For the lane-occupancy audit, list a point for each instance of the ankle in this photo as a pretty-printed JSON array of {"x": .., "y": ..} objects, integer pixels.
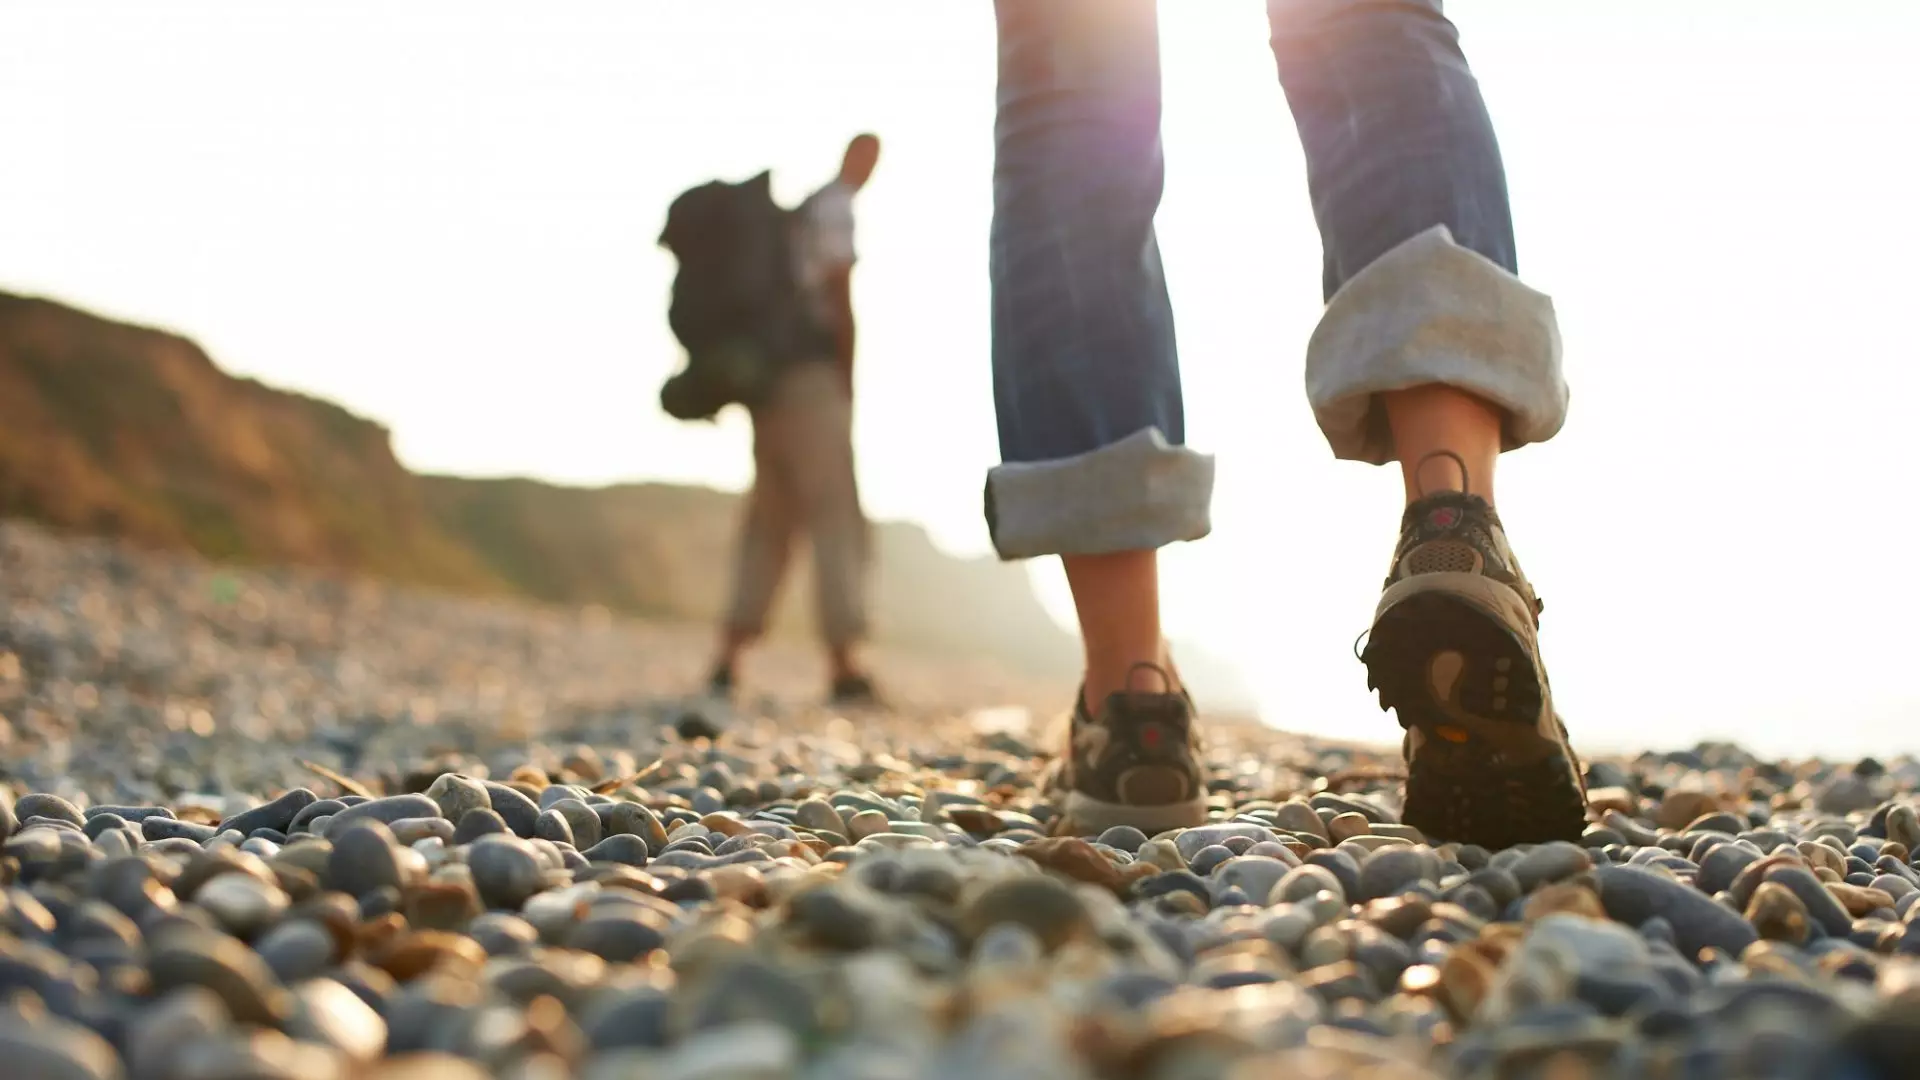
[{"x": 1112, "y": 674}]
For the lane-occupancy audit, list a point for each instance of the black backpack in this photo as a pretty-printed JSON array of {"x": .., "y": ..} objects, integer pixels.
[{"x": 736, "y": 305}]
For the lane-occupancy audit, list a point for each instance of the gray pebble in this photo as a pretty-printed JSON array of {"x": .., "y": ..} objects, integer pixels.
[
  {"x": 624, "y": 848},
  {"x": 313, "y": 811},
  {"x": 363, "y": 858},
  {"x": 185, "y": 956},
  {"x": 619, "y": 936},
  {"x": 581, "y": 820},
  {"x": 384, "y": 810},
  {"x": 1190, "y": 841},
  {"x": 158, "y": 1034},
  {"x": 518, "y": 811},
  {"x": 553, "y": 826},
  {"x": 1632, "y": 895},
  {"x": 820, "y": 814},
  {"x": 506, "y": 870},
  {"x": 1391, "y": 869},
  {"x": 158, "y": 828},
  {"x": 456, "y": 794},
  {"x": 635, "y": 1018},
  {"x": 48, "y": 806},
  {"x": 410, "y": 831},
  {"x": 1721, "y": 865},
  {"x": 296, "y": 949},
  {"x": 635, "y": 820},
  {"x": 502, "y": 934},
  {"x": 277, "y": 815},
  {"x": 1551, "y": 862},
  {"x": 475, "y": 824}
]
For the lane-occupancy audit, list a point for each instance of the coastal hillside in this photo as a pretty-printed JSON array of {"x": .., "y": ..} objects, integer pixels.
[{"x": 135, "y": 433}]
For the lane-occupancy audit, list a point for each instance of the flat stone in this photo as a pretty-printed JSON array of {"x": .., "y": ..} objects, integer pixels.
[
  {"x": 1632, "y": 895},
  {"x": 277, "y": 815},
  {"x": 386, "y": 810}
]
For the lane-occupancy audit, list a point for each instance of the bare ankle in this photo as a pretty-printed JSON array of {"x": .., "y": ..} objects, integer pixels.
[
  {"x": 1117, "y": 598},
  {"x": 1108, "y": 675},
  {"x": 1446, "y": 438}
]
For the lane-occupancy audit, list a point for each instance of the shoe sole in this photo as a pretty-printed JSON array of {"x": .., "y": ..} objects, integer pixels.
[
  {"x": 1084, "y": 815},
  {"x": 1444, "y": 659}
]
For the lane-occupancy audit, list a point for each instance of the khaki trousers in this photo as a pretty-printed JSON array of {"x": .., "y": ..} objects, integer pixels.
[{"x": 804, "y": 483}]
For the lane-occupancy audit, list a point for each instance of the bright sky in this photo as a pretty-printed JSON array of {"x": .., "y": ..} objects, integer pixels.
[{"x": 443, "y": 216}]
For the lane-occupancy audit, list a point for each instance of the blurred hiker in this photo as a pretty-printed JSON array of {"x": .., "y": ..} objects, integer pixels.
[
  {"x": 1431, "y": 354},
  {"x": 763, "y": 304}
]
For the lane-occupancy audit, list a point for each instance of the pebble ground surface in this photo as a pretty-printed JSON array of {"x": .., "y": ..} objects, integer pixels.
[{"x": 263, "y": 824}]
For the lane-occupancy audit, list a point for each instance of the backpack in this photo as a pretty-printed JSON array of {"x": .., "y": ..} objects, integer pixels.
[{"x": 735, "y": 304}]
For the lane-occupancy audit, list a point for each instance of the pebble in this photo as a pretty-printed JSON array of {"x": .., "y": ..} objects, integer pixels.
[
  {"x": 544, "y": 881},
  {"x": 363, "y": 858},
  {"x": 506, "y": 870}
]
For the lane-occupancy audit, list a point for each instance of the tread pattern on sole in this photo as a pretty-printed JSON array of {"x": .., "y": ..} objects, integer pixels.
[{"x": 1500, "y": 782}]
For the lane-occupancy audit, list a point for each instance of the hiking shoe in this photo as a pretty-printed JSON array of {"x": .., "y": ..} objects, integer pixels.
[
  {"x": 1455, "y": 653},
  {"x": 853, "y": 692},
  {"x": 1137, "y": 763}
]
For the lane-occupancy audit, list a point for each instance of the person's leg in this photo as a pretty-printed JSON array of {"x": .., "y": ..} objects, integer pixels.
[
  {"x": 1434, "y": 355},
  {"x": 1087, "y": 383},
  {"x": 765, "y": 544},
  {"x": 827, "y": 495}
]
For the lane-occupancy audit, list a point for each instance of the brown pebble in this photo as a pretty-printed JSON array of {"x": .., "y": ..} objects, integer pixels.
[
  {"x": 1777, "y": 914},
  {"x": 530, "y": 776},
  {"x": 723, "y": 823},
  {"x": 1347, "y": 826},
  {"x": 440, "y": 905},
  {"x": 976, "y": 819},
  {"x": 1822, "y": 857},
  {"x": 374, "y": 936},
  {"x": 1765, "y": 957},
  {"x": 415, "y": 954},
  {"x": 297, "y": 882},
  {"x": 742, "y": 883},
  {"x": 199, "y": 815},
  {"x": 1563, "y": 898},
  {"x": 1465, "y": 977},
  {"x": 1399, "y": 916},
  {"x": 1604, "y": 799},
  {"x": 1859, "y": 899},
  {"x": 1685, "y": 806},
  {"x": 1075, "y": 858}
]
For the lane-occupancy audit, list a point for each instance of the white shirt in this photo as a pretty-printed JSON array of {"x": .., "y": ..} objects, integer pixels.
[{"x": 825, "y": 240}]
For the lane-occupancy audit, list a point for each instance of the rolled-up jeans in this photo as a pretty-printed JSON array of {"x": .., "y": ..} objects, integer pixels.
[{"x": 1420, "y": 277}]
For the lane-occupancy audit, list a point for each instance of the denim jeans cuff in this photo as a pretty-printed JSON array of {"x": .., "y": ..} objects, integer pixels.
[
  {"x": 1430, "y": 311},
  {"x": 1137, "y": 494}
]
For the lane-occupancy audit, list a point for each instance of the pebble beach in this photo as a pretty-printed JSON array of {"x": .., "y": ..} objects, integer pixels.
[{"x": 270, "y": 824}]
